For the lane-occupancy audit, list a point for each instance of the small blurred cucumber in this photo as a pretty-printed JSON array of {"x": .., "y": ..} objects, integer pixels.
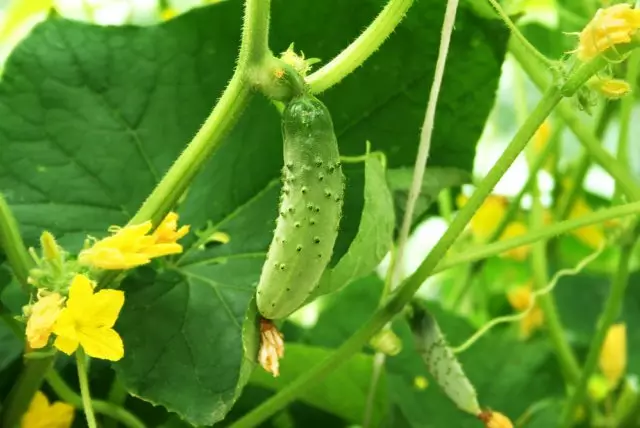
[
  {"x": 310, "y": 209},
  {"x": 441, "y": 361}
]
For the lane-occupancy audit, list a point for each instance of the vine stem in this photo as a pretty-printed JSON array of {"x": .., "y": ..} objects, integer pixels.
[
  {"x": 87, "y": 406},
  {"x": 115, "y": 412},
  {"x": 360, "y": 49},
  {"x": 495, "y": 248},
  {"x": 416, "y": 185},
  {"x": 608, "y": 316},
  {"x": 538, "y": 75},
  {"x": 13, "y": 245},
  {"x": 225, "y": 115},
  {"x": 544, "y": 61},
  {"x": 425, "y": 137},
  {"x": 555, "y": 330},
  {"x": 407, "y": 289}
]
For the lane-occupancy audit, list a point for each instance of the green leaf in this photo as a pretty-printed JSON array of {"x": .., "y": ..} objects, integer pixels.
[
  {"x": 343, "y": 392},
  {"x": 190, "y": 342},
  {"x": 375, "y": 232},
  {"x": 384, "y": 101},
  {"x": 93, "y": 116},
  {"x": 435, "y": 180}
]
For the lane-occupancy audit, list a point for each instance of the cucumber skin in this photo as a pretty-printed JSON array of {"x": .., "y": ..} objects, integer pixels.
[
  {"x": 310, "y": 209},
  {"x": 441, "y": 361}
]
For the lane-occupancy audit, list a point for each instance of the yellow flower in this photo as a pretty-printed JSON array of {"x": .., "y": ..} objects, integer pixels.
[
  {"x": 511, "y": 231},
  {"x": 488, "y": 216},
  {"x": 613, "y": 356},
  {"x": 542, "y": 136},
  {"x": 132, "y": 246},
  {"x": 42, "y": 316},
  {"x": 610, "y": 88},
  {"x": 41, "y": 414},
  {"x": 493, "y": 419},
  {"x": 168, "y": 13},
  {"x": 593, "y": 235},
  {"x": 168, "y": 232},
  {"x": 611, "y": 26},
  {"x": 87, "y": 320},
  {"x": 520, "y": 299}
]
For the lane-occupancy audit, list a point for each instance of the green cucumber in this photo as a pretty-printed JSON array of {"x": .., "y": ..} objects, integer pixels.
[
  {"x": 441, "y": 361},
  {"x": 310, "y": 209}
]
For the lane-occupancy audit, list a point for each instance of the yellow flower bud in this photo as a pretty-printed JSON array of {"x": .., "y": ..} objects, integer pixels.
[
  {"x": 611, "y": 88},
  {"x": 613, "y": 356},
  {"x": 493, "y": 419}
]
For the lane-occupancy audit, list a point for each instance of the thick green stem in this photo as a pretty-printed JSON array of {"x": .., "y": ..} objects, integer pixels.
[
  {"x": 255, "y": 32},
  {"x": 81, "y": 362},
  {"x": 564, "y": 353},
  {"x": 24, "y": 389},
  {"x": 360, "y": 49},
  {"x": 538, "y": 75},
  {"x": 115, "y": 412},
  {"x": 489, "y": 250},
  {"x": 13, "y": 245},
  {"x": 609, "y": 314},
  {"x": 408, "y": 288}
]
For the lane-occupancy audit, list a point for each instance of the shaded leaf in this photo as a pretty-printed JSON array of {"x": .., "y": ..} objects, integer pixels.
[{"x": 343, "y": 392}]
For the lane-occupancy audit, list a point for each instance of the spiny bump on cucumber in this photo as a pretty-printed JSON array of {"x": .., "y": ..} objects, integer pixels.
[{"x": 314, "y": 185}]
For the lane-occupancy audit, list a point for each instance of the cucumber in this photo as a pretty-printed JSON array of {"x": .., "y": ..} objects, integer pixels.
[
  {"x": 310, "y": 209},
  {"x": 441, "y": 361}
]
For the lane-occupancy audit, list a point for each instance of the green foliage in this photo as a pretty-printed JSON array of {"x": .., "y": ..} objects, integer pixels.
[
  {"x": 93, "y": 117},
  {"x": 342, "y": 393}
]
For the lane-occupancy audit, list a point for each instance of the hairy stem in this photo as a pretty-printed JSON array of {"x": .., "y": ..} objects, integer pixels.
[
  {"x": 408, "y": 288},
  {"x": 255, "y": 32},
  {"x": 360, "y": 49},
  {"x": 12, "y": 244},
  {"x": 609, "y": 314},
  {"x": 115, "y": 412}
]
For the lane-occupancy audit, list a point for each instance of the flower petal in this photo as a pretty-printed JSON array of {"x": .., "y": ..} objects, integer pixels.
[
  {"x": 61, "y": 415},
  {"x": 80, "y": 294},
  {"x": 66, "y": 344},
  {"x": 160, "y": 250},
  {"x": 65, "y": 325},
  {"x": 103, "y": 343},
  {"x": 104, "y": 308}
]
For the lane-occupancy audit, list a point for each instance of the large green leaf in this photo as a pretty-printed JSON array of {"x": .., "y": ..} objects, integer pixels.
[
  {"x": 190, "y": 344},
  {"x": 343, "y": 392}
]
